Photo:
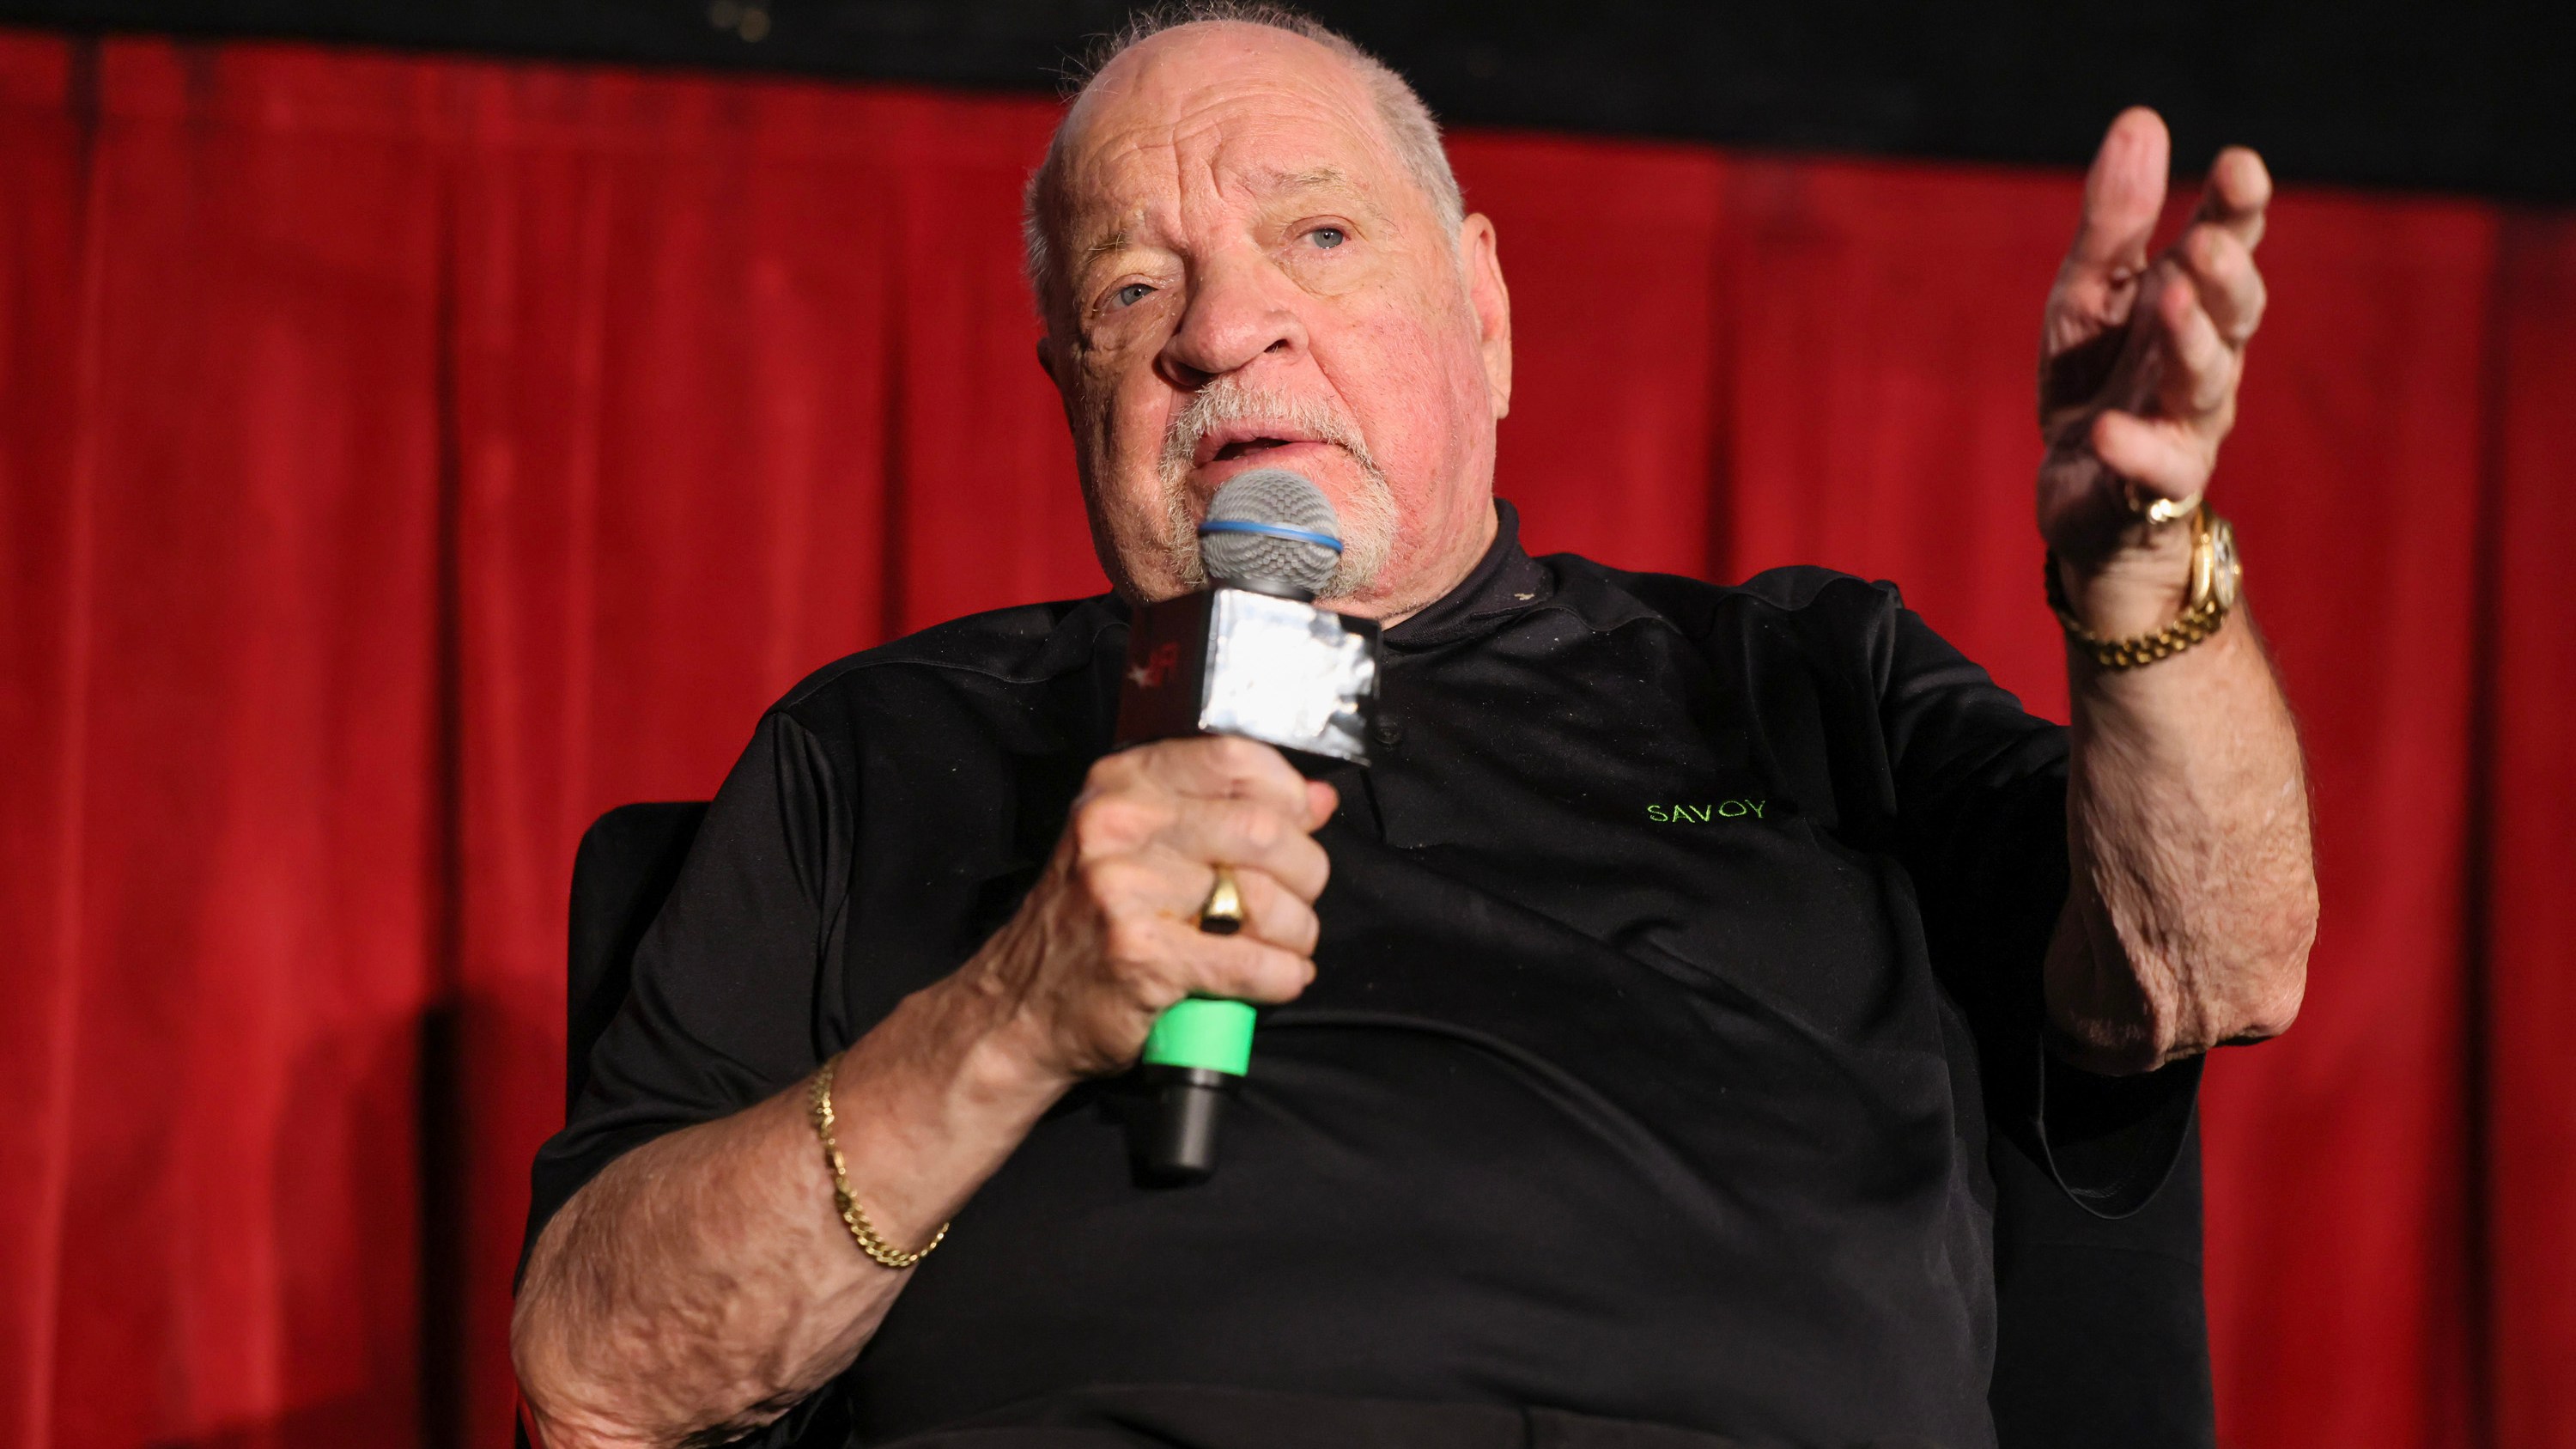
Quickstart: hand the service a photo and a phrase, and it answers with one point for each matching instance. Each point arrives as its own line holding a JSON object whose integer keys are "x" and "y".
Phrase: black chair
{"x": 2102, "y": 1332}
{"x": 2103, "y": 1338}
{"x": 621, "y": 872}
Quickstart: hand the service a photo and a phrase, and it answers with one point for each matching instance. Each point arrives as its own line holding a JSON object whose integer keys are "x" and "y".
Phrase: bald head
{"x": 1250, "y": 253}
{"x": 1409, "y": 133}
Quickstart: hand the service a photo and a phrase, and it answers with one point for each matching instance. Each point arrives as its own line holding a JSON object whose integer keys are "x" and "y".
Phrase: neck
{"x": 1430, "y": 581}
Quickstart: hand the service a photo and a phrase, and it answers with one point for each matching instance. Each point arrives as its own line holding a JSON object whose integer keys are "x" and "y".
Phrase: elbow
{"x": 2276, "y": 974}
{"x": 2153, "y": 1009}
{"x": 2262, "y": 1019}
{"x": 2259, "y": 993}
{"x": 2270, "y": 1007}
{"x": 550, "y": 1404}
{"x": 535, "y": 1346}
{"x": 530, "y": 1364}
{"x": 2190, "y": 1028}
{"x": 545, "y": 1390}
{"x": 561, "y": 1409}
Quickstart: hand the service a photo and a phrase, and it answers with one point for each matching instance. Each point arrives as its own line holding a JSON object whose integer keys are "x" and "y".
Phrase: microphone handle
{"x": 1195, "y": 1057}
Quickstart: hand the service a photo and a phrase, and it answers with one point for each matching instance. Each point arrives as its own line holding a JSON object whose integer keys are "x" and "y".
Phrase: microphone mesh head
{"x": 1280, "y": 499}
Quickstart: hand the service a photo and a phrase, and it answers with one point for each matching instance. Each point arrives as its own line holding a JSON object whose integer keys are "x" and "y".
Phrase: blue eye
{"x": 1131, "y": 294}
{"x": 1328, "y": 237}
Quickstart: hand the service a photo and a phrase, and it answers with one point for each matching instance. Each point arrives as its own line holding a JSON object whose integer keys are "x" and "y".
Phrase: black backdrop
{"x": 2460, "y": 97}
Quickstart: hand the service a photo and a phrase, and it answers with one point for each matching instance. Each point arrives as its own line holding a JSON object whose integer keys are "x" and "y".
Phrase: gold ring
{"x": 2158, "y": 510}
{"x": 1221, "y": 914}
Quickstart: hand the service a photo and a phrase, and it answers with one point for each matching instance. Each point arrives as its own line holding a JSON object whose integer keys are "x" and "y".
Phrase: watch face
{"x": 2229, "y": 569}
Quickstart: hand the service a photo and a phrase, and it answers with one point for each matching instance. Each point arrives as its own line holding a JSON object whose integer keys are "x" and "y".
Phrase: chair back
{"x": 2101, "y": 1330}
{"x": 621, "y": 872}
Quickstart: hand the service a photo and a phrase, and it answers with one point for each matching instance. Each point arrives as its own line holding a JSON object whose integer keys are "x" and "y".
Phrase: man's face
{"x": 1249, "y": 277}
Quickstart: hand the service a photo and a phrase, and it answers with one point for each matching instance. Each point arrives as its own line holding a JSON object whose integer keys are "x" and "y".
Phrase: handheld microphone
{"x": 1251, "y": 655}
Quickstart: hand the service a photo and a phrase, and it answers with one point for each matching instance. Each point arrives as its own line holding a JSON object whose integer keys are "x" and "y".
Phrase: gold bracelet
{"x": 853, "y": 1217}
{"x": 2213, "y": 592}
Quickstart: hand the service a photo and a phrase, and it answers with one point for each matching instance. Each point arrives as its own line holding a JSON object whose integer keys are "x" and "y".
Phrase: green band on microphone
{"x": 1205, "y": 1033}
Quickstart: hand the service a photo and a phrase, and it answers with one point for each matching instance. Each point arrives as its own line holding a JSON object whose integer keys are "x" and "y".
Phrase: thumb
{"x": 2123, "y": 194}
{"x": 1321, "y": 801}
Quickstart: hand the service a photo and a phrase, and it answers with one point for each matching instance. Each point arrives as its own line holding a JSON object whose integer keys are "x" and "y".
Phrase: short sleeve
{"x": 722, "y": 1010}
{"x": 1980, "y": 788}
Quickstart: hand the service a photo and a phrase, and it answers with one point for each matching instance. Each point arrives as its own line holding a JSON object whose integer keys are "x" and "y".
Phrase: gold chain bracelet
{"x": 853, "y": 1216}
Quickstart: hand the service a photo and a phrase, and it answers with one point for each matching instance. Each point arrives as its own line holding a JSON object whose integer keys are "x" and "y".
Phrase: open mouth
{"x": 1248, "y": 446}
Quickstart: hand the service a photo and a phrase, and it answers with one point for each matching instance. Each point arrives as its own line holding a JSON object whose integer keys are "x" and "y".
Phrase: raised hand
{"x": 2139, "y": 363}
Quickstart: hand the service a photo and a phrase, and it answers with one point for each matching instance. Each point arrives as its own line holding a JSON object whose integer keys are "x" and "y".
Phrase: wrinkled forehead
{"x": 1188, "y": 121}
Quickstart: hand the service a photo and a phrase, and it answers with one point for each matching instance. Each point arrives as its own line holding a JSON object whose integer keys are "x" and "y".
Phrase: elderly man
{"x": 1579, "y": 1118}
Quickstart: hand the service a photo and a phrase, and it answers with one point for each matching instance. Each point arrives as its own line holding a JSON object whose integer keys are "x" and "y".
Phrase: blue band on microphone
{"x": 1270, "y": 530}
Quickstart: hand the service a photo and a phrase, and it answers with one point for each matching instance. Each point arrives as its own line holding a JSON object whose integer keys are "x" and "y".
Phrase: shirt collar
{"x": 1504, "y": 582}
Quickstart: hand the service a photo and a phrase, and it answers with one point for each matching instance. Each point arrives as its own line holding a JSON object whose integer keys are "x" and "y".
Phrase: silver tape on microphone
{"x": 1252, "y": 655}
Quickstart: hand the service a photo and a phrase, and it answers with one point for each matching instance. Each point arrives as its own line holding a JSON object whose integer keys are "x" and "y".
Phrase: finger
{"x": 2222, "y": 271}
{"x": 1223, "y": 767}
{"x": 1170, "y": 886}
{"x": 1241, "y": 968}
{"x": 1321, "y": 801}
{"x": 2198, "y": 375}
{"x": 1130, "y": 802}
{"x": 2123, "y": 194}
{"x": 1164, "y": 959}
{"x": 2161, "y": 457}
{"x": 2234, "y": 197}
{"x": 1275, "y": 913}
{"x": 1243, "y": 833}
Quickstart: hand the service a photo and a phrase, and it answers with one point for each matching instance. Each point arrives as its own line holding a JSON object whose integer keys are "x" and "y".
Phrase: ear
{"x": 1492, "y": 302}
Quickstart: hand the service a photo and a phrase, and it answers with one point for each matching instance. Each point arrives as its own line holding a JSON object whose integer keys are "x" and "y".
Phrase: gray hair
{"x": 1408, "y": 121}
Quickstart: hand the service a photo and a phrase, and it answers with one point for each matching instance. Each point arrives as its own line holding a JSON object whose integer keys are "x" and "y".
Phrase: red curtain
{"x": 403, "y": 460}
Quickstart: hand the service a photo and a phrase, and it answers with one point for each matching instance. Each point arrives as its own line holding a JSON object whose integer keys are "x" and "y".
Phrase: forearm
{"x": 705, "y": 1281}
{"x": 2193, "y": 898}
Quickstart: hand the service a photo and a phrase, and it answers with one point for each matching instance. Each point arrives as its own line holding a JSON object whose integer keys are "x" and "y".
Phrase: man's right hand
{"x": 1108, "y": 937}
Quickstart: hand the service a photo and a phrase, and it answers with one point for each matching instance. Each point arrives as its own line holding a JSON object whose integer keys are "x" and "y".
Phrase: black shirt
{"x": 1681, "y": 944}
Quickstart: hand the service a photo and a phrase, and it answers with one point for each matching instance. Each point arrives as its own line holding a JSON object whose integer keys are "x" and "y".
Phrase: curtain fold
{"x": 404, "y": 459}
{"x": 2522, "y": 847}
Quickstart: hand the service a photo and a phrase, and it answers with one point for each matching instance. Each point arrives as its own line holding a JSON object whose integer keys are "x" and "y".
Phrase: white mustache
{"x": 1222, "y": 402}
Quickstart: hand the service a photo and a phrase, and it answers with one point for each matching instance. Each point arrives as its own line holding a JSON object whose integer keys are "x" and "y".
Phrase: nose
{"x": 1240, "y": 309}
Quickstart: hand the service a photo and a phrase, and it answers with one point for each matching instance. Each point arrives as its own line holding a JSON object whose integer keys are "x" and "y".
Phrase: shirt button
{"x": 1388, "y": 731}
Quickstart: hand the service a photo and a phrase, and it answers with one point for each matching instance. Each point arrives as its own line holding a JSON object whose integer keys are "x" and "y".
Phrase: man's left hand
{"x": 2139, "y": 362}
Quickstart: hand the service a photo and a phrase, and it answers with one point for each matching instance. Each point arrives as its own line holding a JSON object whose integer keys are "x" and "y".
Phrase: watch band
{"x": 2215, "y": 575}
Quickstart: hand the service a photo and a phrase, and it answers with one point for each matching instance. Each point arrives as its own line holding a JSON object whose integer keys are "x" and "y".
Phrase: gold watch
{"x": 2217, "y": 574}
